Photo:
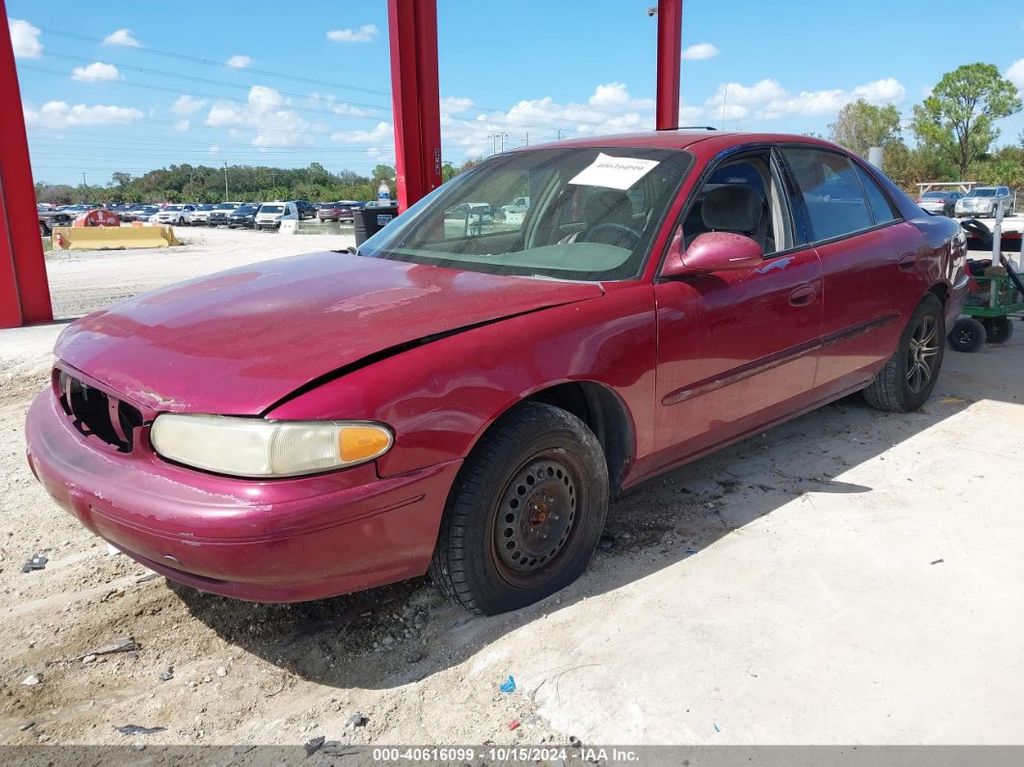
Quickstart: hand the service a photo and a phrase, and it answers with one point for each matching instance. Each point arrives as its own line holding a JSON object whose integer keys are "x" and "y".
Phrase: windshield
{"x": 271, "y": 209}
{"x": 593, "y": 214}
{"x": 226, "y": 206}
{"x": 173, "y": 207}
{"x": 982, "y": 193}
{"x": 935, "y": 195}
{"x": 245, "y": 210}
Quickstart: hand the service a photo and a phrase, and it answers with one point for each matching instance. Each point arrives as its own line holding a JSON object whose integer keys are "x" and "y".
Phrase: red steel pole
{"x": 412, "y": 28}
{"x": 670, "y": 38}
{"x": 24, "y": 289}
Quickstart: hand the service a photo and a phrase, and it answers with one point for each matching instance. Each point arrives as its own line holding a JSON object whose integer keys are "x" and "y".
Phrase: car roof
{"x": 706, "y": 140}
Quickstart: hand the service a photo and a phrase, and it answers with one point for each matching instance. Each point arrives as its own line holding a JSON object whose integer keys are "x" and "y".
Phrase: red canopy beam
{"x": 670, "y": 38}
{"x": 412, "y": 26}
{"x": 24, "y": 290}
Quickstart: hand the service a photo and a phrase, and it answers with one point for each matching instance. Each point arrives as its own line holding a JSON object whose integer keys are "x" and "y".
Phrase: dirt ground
{"x": 848, "y": 577}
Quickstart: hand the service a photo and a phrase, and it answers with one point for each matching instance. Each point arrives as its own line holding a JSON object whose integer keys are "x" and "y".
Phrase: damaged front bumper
{"x": 284, "y": 540}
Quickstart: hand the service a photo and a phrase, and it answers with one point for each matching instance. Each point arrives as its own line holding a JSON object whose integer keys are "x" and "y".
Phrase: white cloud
{"x": 609, "y": 109}
{"x": 122, "y": 37}
{"x": 700, "y": 51}
{"x": 266, "y": 112}
{"x": 239, "y": 61}
{"x": 1015, "y": 74}
{"x": 213, "y": 149}
{"x": 187, "y": 105}
{"x": 25, "y": 39}
{"x": 56, "y": 115}
{"x": 384, "y": 131}
{"x": 768, "y": 100}
{"x": 885, "y": 91}
{"x": 456, "y": 104}
{"x": 612, "y": 94}
{"x": 181, "y": 126}
{"x": 96, "y": 72}
{"x": 363, "y": 34}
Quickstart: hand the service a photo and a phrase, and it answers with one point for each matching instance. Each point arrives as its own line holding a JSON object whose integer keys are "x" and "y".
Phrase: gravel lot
{"x": 850, "y": 577}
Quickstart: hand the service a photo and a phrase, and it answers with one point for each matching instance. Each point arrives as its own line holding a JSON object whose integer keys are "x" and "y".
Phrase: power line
{"x": 222, "y": 84}
{"x": 220, "y": 64}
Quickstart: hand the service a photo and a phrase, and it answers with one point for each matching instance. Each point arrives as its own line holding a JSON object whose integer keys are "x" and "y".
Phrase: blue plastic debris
{"x": 509, "y": 685}
{"x": 717, "y": 729}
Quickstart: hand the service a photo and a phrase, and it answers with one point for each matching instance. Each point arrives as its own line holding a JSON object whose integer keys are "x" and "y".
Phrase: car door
{"x": 867, "y": 253}
{"x": 736, "y": 349}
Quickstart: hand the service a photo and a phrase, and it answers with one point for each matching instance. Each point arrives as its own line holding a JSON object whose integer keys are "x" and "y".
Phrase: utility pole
{"x": 225, "y": 180}
{"x": 83, "y": 179}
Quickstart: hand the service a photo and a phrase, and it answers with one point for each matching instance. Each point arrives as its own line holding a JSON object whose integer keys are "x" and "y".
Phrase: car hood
{"x": 237, "y": 342}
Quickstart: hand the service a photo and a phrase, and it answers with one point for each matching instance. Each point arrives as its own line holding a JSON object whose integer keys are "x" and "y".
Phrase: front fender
{"x": 442, "y": 396}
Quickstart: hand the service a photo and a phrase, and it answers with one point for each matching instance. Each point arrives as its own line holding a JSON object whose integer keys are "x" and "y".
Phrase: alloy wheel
{"x": 921, "y": 354}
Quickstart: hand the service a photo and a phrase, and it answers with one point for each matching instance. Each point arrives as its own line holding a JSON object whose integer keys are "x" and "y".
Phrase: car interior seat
{"x": 738, "y": 209}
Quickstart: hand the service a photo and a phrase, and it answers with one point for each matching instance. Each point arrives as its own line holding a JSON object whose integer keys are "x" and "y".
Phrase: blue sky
{"x": 293, "y": 83}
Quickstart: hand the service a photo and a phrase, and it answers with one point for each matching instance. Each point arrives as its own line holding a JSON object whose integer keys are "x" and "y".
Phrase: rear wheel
{"x": 998, "y": 329}
{"x": 907, "y": 379}
{"x": 525, "y": 513}
{"x": 968, "y": 335}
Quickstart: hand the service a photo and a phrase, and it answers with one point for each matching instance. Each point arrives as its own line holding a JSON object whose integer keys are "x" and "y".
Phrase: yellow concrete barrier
{"x": 112, "y": 238}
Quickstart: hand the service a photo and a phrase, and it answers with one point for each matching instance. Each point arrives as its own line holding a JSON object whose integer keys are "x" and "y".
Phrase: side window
{"x": 742, "y": 196}
{"x": 831, "y": 191}
{"x": 881, "y": 209}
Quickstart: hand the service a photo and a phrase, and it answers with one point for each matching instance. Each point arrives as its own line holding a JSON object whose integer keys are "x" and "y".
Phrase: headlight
{"x": 253, "y": 447}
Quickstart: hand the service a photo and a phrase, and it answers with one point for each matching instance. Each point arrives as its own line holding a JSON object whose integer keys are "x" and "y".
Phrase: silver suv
{"x": 982, "y": 201}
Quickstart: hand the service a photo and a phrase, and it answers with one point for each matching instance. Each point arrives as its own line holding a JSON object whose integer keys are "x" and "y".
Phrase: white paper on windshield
{"x": 613, "y": 172}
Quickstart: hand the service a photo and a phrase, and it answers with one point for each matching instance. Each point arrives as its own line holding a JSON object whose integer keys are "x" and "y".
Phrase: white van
{"x": 271, "y": 214}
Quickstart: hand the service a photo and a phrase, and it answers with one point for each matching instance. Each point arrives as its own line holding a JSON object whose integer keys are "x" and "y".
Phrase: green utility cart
{"x": 995, "y": 299}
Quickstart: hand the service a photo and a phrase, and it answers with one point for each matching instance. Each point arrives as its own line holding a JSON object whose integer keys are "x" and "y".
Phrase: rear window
{"x": 271, "y": 209}
{"x": 832, "y": 192}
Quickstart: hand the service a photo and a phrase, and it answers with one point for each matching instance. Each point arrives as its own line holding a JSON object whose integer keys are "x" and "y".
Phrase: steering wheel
{"x": 609, "y": 226}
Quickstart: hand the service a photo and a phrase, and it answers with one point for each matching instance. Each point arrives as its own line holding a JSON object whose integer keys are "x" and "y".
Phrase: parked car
{"x": 939, "y": 203}
{"x": 337, "y": 211}
{"x": 50, "y": 217}
{"x": 518, "y": 206}
{"x": 982, "y": 200}
{"x": 300, "y": 428}
{"x": 143, "y": 213}
{"x": 219, "y": 214}
{"x": 305, "y": 209}
{"x": 201, "y": 215}
{"x": 242, "y": 217}
{"x": 271, "y": 214}
{"x": 175, "y": 214}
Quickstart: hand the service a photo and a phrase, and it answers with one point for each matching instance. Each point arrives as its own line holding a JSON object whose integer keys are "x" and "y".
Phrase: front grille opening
{"x": 96, "y": 415}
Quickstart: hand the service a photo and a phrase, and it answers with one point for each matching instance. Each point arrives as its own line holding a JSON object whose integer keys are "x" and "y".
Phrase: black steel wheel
{"x": 998, "y": 329}
{"x": 968, "y": 335}
{"x": 525, "y": 512}
{"x": 907, "y": 379}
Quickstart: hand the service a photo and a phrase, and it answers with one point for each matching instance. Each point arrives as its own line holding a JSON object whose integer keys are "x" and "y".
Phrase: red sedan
{"x": 465, "y": 395}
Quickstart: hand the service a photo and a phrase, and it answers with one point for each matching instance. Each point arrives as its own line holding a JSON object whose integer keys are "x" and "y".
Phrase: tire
{"x": 502, "y": 545}
{"x": 907, "y": 379}
{"x": 998, "y": 329}
{"x": 968, "y": 335}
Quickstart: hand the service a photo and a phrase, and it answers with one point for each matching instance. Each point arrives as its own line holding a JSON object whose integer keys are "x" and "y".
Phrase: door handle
{"x": 907, "y": 262}
{"x": 803, "y": 295}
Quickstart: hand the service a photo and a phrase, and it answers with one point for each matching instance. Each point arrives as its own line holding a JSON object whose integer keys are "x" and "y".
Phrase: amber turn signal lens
{"x": 361, "y": 443}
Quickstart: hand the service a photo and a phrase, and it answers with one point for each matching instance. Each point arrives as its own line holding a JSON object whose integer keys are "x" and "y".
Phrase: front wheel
{"x": 907, "y": 379}
{"x": 525, "y": 512}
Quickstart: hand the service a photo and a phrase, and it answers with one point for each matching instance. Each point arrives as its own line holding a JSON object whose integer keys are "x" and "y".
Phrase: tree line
{"x": 953, "y": 129}
{"x": 245, "y": 183}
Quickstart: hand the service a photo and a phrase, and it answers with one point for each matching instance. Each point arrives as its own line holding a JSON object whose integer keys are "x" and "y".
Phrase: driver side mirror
{"x": 711, "y": 252}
